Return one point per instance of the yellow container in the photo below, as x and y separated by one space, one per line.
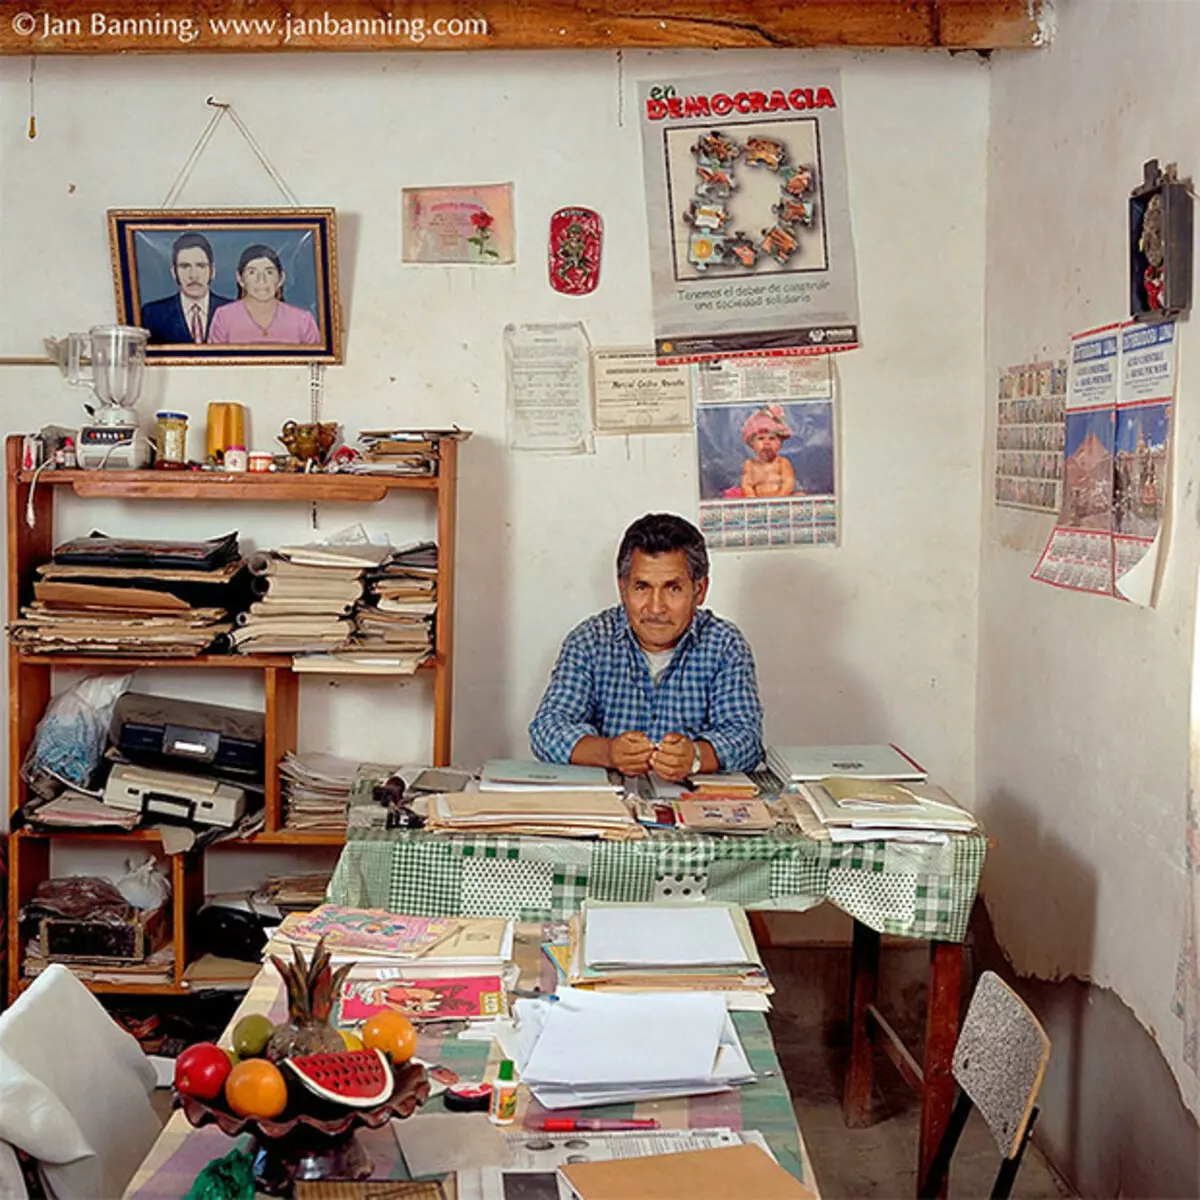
226 427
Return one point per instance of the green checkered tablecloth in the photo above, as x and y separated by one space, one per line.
911 889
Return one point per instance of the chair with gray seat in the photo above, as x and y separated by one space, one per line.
999 1064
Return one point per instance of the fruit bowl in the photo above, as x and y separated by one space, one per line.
314 1142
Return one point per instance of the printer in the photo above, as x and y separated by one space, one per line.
155 793
186 735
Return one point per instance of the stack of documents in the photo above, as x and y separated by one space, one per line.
522 775
692 946
395 617
801 764
316 791
305 597
593 1048
545 812
114 596
856 810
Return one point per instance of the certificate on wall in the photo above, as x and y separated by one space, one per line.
632 393
751 251
546 370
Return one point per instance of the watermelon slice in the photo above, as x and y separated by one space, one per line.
352 1078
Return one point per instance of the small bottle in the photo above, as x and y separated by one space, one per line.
70 461
503 1110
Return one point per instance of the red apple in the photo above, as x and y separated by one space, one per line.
201 1071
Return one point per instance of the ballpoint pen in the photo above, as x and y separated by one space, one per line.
589 1124
532 994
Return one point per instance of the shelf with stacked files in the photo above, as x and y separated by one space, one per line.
30 541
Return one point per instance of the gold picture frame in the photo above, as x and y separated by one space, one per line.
229 285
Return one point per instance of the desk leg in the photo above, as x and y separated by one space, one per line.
941 1036
864 982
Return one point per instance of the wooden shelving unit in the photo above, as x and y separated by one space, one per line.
29 675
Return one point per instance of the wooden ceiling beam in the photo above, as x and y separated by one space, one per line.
262 26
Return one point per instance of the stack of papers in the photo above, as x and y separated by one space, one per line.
520 775
801 764
316 791
857 811
591 1048
545 812
665 947
397 612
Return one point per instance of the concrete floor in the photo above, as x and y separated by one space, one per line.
812 1038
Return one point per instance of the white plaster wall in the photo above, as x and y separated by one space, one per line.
1083 703
875 639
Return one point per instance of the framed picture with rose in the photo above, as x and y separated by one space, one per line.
472 226
229 285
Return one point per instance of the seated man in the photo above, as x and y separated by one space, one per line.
657 683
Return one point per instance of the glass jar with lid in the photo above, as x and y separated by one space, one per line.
171 439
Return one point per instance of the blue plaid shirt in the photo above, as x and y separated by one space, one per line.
601 685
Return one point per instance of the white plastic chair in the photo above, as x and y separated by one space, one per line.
74 1092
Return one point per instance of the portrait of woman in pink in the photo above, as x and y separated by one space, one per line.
260 313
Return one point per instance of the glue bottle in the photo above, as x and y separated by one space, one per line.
503 1110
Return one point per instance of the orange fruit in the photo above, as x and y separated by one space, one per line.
392 1033
256 1088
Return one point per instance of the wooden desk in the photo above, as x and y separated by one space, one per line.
932 1079
180 1151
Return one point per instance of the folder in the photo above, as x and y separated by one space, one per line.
716 1174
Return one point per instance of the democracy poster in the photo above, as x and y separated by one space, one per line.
750 241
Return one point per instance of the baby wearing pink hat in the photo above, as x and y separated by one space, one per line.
768 473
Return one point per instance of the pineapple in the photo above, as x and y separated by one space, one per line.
311 988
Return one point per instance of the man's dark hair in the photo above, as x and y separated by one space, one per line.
190 241
662 533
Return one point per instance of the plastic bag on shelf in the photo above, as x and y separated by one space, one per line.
144 885
69 742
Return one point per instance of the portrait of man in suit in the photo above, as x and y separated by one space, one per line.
187 315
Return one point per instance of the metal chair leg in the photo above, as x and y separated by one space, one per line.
1007 1174
935 1177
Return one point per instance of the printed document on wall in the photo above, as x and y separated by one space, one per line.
1029 435
1110 536
547 376
751 251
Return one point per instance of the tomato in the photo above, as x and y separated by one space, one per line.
201 1071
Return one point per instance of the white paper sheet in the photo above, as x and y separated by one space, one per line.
657 935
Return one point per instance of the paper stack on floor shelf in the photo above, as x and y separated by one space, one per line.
690 946
859 810
801 764
594 1048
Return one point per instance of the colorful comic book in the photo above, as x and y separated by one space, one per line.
371 931
466 998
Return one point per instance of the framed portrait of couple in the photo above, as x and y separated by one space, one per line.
229 285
